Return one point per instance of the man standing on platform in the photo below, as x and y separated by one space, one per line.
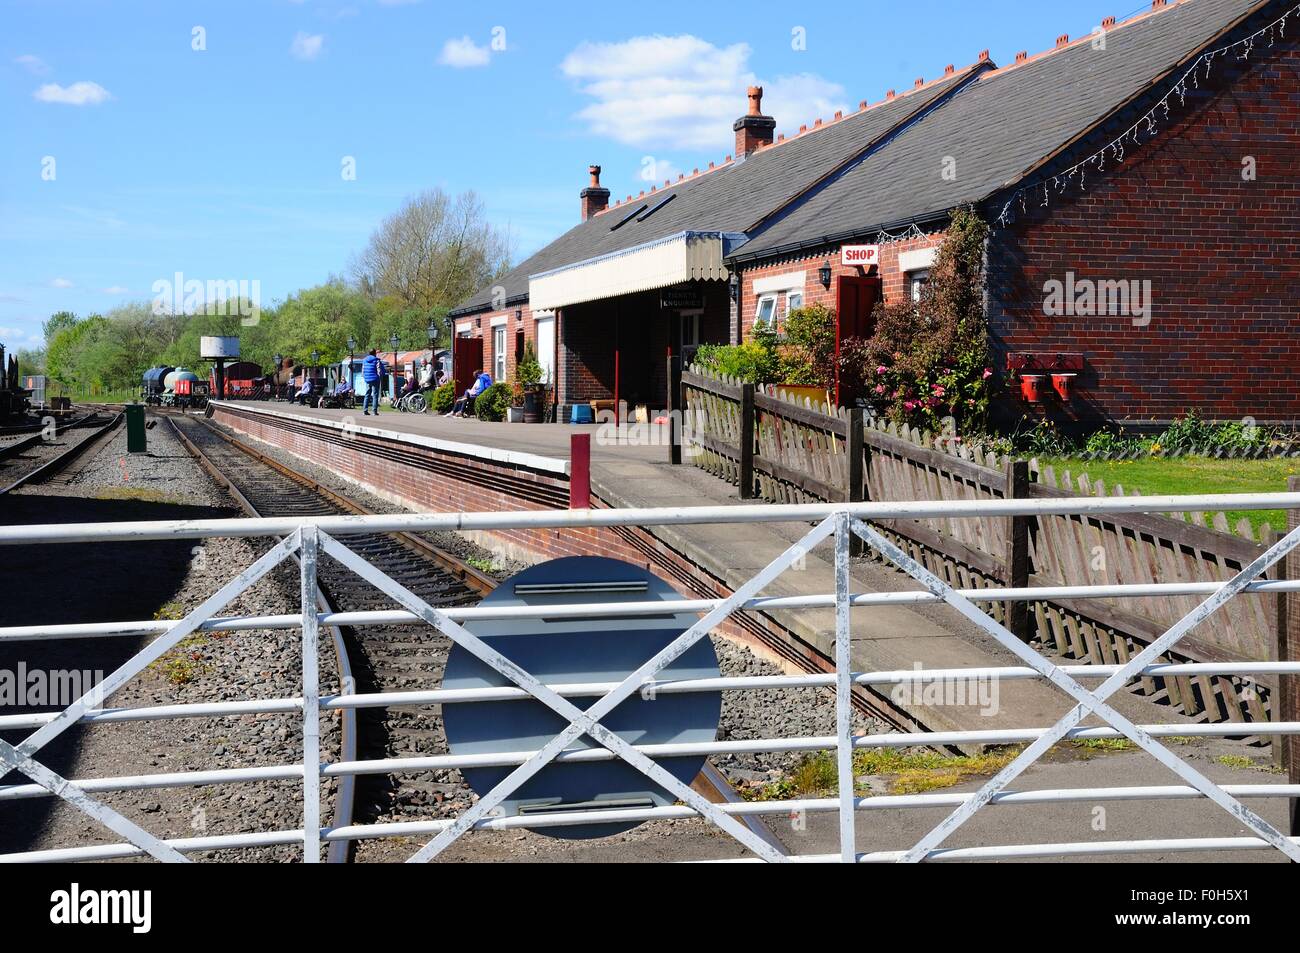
372 372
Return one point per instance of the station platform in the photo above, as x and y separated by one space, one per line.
526 466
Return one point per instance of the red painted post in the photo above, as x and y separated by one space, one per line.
580 471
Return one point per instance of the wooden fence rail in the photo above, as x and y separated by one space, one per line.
794 451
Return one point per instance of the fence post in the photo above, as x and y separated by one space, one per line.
1287 707
579 471
855 447
1016 568
676 408
746 441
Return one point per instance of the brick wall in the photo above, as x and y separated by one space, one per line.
1222 256
893 280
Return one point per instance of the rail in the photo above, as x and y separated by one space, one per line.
308 539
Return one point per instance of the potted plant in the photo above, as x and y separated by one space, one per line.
528 378
515 412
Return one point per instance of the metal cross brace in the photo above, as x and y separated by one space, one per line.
588 721
1094 702
20 757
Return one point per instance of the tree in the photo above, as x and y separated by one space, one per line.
59 321
433 252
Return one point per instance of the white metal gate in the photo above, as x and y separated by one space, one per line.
835 524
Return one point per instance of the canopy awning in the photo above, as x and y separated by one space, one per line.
686 256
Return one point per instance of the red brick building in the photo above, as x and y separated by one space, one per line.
1144 187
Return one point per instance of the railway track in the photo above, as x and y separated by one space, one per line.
45 466
376 658
380 658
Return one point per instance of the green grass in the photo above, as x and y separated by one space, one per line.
911 772
1158 476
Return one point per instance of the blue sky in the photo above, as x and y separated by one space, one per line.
129 155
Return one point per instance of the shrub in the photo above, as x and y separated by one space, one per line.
806 356
929 360
750 362
493 403
529 370
443 397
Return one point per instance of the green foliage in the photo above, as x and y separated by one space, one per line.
493 403
443 397
528 372
806 356
929 360
750 362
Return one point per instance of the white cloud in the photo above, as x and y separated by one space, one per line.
33 64
464 53
60 283
684 91
116 290
15 336
84 93
307 46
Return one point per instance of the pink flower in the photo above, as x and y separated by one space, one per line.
881 369
880 388
938 390
988 372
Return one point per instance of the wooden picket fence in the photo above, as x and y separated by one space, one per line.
794 451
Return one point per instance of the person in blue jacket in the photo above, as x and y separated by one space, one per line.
466 400
372 372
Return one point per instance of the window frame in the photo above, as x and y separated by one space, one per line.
499 357
770 297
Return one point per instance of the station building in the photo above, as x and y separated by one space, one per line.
1143 187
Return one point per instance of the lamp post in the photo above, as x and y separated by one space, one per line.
352 350
275 377
394 340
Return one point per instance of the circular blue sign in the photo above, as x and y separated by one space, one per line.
561 651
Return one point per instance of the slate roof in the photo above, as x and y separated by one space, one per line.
998 124
729 198
999 127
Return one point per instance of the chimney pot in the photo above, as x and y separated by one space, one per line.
889 94
984 55
863 104
753 130
920 81
839 114
594 198
1107 23
1157 4
949 70
1062 40
1022 56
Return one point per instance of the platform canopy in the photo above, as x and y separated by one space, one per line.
686 256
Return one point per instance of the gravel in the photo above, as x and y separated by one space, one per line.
266 664
215 667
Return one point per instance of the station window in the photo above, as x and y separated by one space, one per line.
499 353
793 301
916 282
766 313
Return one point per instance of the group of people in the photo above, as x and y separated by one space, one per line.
374 370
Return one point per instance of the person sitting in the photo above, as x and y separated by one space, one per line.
465 403
303 396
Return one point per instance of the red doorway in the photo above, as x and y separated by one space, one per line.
467 361
855 300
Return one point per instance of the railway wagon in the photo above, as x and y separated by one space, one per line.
244 381
153 384
184 388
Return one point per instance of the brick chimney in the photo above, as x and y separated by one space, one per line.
594 198
753 130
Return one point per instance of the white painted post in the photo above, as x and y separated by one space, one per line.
310 700
844 692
